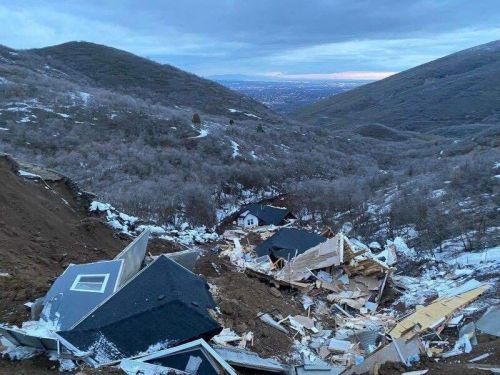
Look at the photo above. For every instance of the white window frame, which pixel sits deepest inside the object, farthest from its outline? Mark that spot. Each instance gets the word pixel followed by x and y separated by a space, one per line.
pixel 78 280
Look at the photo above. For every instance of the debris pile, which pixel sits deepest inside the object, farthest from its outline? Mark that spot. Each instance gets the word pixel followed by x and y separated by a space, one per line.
pixel 348 324
pixel 152 315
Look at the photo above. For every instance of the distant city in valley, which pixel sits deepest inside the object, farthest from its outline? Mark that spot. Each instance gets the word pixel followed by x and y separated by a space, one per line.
pixel 287 96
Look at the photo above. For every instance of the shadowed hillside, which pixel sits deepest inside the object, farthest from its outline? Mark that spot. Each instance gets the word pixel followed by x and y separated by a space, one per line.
pixel 462 88
pixel 124 72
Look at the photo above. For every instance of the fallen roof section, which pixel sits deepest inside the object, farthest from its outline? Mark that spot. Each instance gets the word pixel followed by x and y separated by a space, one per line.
pixel 323 255
pixel 397 351
pixel 162 289
pixel 195 357
pixel 434 314
pixel 288 242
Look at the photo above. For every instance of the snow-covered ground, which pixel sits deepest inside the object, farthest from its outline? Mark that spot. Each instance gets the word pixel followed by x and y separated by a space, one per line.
pixel 130 225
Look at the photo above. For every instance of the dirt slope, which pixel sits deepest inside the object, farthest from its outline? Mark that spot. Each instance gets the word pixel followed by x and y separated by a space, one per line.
pixel 43 228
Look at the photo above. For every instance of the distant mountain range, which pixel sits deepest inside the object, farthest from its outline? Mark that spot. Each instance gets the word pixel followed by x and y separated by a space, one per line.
pixel 462 88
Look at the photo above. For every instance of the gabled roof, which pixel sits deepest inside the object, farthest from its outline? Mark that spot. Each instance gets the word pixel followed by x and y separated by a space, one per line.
pixel 287 242
pixel 267 214
pixel 163 304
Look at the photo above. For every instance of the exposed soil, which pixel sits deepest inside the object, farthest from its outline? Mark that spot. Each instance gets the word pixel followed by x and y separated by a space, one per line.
pixel 453 365
pixel 241 298
pixel 43 228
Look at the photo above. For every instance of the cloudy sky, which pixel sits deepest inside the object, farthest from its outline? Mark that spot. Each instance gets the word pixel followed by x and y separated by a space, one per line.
pixel 270 38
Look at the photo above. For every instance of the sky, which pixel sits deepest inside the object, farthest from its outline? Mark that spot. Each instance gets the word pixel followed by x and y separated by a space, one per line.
pixel 273 39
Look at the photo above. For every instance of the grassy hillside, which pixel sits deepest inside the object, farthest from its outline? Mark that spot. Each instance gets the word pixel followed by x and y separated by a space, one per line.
pixel 462 88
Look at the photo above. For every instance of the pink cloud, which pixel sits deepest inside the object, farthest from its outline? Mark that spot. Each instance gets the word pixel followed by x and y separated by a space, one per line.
pixel 354 75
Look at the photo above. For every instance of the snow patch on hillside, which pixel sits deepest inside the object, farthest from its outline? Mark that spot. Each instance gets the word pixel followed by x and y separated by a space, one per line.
pixel 235 146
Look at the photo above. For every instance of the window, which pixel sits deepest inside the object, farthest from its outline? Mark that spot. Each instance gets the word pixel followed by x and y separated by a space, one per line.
pixel 90 283
pixel 250 222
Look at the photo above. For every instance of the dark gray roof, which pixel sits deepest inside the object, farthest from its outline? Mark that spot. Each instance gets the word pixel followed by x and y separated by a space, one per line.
pixel 164 304
pixel 287 242
pixel 267 214
pixel 180 360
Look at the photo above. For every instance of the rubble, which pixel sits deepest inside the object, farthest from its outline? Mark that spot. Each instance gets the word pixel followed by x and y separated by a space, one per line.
pixel 435 314
pixel 105 311
pixel 344 279
pixel 152 314
pixel 490 322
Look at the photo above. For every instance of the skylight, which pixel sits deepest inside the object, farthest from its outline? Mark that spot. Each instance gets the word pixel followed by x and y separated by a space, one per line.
pixel 90 283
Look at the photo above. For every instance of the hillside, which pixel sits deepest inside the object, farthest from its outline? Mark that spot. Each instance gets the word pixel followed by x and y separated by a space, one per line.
pixel 151 161
pixel 462 88
pixel 126 73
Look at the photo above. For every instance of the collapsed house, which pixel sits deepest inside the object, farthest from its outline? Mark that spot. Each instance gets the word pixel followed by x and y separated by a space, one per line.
pixel 196 357
pixel 105 311
pixel 344 280
pixel 134 319
pixel 287 243
pixel 254 215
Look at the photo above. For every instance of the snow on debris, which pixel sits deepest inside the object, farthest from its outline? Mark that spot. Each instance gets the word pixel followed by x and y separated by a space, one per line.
pixel 4 129
pixel 236 148
pixel 129 225
pixel 17 353
pixel 104 350
pixel 484 258
pixel 25 119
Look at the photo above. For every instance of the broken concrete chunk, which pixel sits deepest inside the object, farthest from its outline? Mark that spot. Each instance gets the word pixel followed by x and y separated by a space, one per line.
pixel 490 322
pixel 299 322
pixel 268 319
pixel 226 336
pixel 275 292
pixel 336 345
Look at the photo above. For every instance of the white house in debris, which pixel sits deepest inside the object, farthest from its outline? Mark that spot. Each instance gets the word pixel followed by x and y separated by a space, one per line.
pixel 247 220
pixel 256 214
